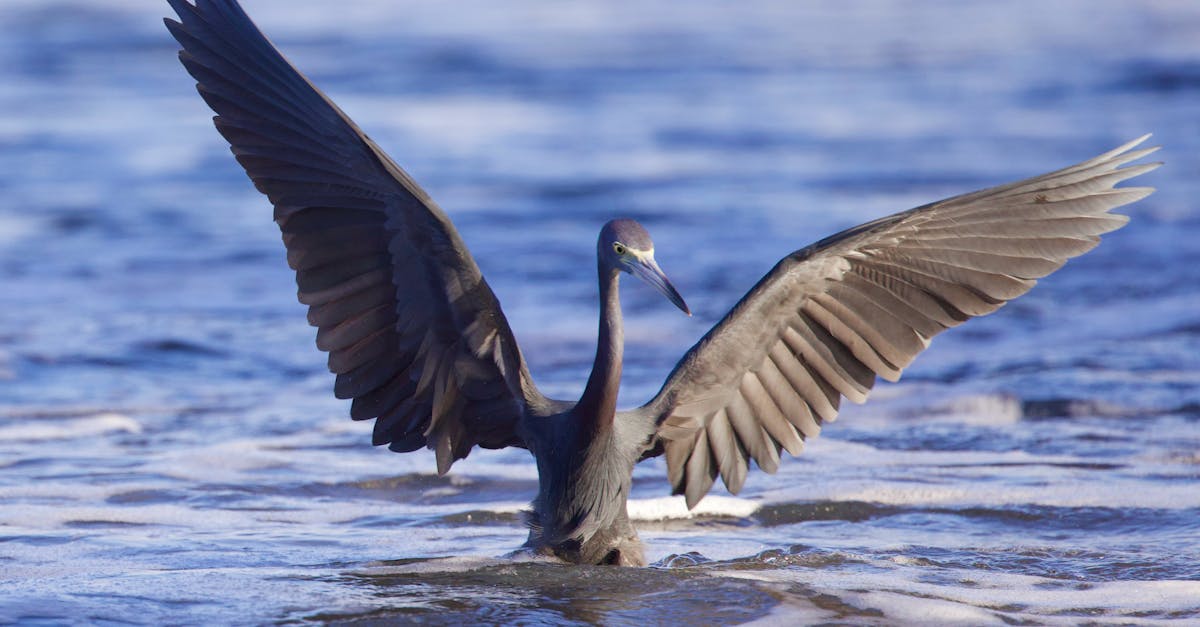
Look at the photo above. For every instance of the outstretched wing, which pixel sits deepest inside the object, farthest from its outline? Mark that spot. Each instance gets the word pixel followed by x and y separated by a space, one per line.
pixel 863 303
pixel 413 332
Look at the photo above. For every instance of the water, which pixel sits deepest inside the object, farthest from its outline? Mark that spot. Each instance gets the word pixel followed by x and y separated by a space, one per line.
pixel 170 450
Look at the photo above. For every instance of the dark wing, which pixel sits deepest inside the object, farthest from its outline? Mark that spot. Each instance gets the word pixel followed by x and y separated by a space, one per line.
pixel 413 332
pixel 863 303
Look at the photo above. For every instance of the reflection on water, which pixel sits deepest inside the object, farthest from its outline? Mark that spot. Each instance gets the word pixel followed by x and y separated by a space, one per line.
pixel 170 450
pixel 509 592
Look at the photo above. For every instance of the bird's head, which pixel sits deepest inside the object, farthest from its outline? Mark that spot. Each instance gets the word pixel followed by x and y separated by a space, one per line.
pixel 626 246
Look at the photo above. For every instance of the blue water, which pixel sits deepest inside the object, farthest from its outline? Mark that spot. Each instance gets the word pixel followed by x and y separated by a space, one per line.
pixel 170 450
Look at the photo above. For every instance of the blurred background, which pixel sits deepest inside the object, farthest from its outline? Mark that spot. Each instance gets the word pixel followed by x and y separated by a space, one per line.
pixel 168 437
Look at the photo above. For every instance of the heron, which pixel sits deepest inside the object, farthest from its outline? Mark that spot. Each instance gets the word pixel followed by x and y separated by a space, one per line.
pixel 419 343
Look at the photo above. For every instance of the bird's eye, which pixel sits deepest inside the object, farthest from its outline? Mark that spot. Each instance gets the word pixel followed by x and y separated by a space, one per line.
pixel 619 248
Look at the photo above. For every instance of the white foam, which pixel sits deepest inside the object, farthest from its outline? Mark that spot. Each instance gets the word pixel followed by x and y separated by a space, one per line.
pixel 919 610
pixel 851 471
pixel 1100 492
pixel 675 508
pixel 270 511
pixel 975 597
pixel 52 490
pixel 793 611
pixel 65 429
pixel 983 409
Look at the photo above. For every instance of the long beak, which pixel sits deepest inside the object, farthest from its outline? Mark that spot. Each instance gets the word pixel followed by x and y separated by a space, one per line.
pixel 647 270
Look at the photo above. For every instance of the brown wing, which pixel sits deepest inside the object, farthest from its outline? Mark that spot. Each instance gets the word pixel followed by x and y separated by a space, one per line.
pixel 863 303
pixel 414 333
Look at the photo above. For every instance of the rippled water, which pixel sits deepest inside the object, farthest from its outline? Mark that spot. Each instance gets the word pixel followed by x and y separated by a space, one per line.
pixel 170 450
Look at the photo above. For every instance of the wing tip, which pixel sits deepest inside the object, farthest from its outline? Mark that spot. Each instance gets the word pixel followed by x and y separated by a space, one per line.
pixel 1122 154
pixel 179 6
pixel 1139 169
pixel 443 453
pixel 1127 195
pixel 1127 146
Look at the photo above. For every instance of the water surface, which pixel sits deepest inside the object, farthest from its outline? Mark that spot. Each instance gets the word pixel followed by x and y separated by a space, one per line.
pixel 170 450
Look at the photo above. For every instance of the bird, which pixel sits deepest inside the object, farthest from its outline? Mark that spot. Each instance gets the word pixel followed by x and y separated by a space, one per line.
pixel 419 343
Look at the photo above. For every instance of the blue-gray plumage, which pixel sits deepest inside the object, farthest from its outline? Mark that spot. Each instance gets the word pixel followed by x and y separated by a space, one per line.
pixel 418 341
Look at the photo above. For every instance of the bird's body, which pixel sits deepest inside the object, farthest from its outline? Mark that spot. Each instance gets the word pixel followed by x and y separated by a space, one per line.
pixel 584 474
pixel 419 342
pixel 585 454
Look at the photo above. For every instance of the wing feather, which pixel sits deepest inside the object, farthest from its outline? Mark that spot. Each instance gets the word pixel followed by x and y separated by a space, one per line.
pixel 415 335
pixel 727 451
pixel 701 470
pixel 830 318
pixel 777 431
pixel 822 399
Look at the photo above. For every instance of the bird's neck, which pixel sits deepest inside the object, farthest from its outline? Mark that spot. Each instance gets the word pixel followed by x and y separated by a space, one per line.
pixel 598 405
